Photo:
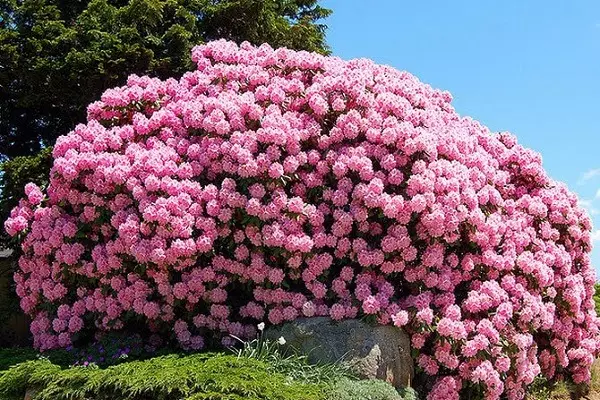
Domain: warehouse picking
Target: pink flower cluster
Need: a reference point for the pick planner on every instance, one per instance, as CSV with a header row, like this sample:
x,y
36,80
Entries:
x,y
273,184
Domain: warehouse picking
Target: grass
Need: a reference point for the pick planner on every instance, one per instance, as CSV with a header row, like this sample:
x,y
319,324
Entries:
x,y
295,366
538,391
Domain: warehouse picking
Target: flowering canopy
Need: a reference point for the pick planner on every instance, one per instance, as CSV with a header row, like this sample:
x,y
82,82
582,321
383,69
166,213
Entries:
x,y
273,184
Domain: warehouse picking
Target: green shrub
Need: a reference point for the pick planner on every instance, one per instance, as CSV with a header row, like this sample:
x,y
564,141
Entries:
x,y
206,376
174,377
597,297
16,355
260,370
347,389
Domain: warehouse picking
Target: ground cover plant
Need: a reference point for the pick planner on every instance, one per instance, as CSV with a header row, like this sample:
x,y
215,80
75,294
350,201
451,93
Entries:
x,y
273,184
199,376
257,371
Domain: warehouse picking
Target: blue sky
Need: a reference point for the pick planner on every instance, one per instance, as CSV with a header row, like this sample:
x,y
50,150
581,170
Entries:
x,y
530,67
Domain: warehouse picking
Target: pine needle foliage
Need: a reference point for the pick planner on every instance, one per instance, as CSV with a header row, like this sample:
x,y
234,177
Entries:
x,y
174,377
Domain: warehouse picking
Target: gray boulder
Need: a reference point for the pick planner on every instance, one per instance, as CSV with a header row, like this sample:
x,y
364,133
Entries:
x,y
371,352
30,394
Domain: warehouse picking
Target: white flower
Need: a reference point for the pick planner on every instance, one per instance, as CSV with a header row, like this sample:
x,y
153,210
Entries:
x,y
261,326
281,340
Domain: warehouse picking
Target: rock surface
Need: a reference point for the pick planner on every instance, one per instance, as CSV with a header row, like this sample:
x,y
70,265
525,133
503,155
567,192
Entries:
x,y
372,352
30,394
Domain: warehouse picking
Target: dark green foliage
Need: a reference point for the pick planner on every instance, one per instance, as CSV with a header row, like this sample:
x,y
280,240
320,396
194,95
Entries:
x,y
14,325
347,389
16,355
597,297
197,376
111,349
281,23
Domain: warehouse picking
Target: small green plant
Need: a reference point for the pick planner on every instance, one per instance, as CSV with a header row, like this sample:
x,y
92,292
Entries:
x,y
347,389
16,355
597,297
540,389
293,365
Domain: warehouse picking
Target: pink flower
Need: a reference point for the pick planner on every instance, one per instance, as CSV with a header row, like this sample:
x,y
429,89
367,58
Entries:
x,y
33,193
75,324
425,315
337,311
453,329
273,184
151,310
371,305
308,309
445,388
275,170
400,318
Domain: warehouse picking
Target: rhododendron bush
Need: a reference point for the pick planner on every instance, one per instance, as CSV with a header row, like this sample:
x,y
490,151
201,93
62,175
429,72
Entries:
x,y
273,184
